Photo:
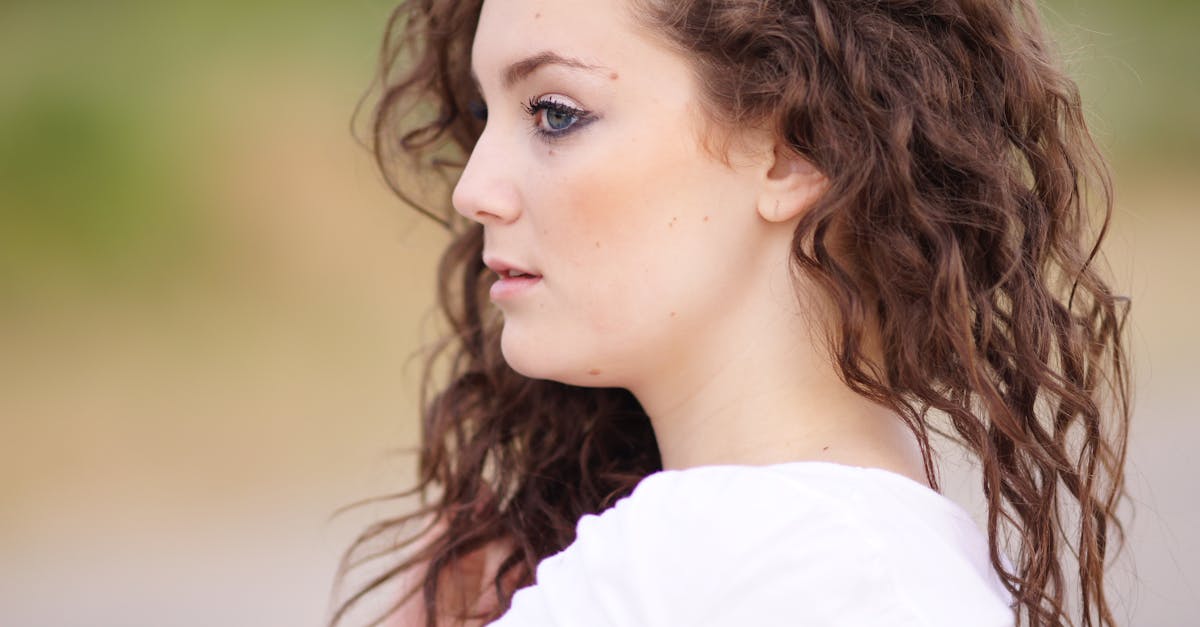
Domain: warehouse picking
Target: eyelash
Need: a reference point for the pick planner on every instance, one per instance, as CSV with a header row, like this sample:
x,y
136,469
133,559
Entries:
x,y
534,106
478,109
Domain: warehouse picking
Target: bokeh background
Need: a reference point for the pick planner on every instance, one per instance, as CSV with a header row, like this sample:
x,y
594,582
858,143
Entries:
x,y
208,303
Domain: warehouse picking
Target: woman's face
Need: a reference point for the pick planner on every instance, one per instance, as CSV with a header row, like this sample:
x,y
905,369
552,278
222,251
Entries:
x,y
591,173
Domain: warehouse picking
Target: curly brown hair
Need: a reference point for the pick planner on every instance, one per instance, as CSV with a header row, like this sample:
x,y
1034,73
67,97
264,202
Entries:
x,y
958,222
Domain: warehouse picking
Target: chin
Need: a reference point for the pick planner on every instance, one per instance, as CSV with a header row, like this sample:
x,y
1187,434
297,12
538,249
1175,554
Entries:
x,y
540,358
526,354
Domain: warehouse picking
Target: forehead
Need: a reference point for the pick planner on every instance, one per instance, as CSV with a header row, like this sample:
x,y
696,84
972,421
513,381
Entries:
x,y
638,69
593,32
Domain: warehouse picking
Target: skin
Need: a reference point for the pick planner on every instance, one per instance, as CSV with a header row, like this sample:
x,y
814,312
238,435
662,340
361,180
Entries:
x,y
665,266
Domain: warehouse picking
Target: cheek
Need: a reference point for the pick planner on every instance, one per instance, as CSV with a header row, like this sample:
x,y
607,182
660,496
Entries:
x,y
611,222
634,228
623,188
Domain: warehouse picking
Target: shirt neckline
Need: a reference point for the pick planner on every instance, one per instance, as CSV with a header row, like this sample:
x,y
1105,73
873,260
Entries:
x,y
942,500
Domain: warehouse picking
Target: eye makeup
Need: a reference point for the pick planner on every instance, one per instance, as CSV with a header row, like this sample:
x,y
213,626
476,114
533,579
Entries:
x,y
552,120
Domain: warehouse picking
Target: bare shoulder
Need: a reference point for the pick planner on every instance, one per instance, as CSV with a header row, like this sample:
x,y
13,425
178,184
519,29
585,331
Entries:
x,y
464,589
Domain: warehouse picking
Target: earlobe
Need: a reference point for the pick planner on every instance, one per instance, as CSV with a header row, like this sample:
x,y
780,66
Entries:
x,y
791,186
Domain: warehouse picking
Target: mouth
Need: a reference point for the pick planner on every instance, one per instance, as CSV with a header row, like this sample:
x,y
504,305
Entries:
x,y
512,284
518,274
508,270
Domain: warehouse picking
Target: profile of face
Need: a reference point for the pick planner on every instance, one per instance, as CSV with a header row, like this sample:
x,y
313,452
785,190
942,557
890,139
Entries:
x,y
592,173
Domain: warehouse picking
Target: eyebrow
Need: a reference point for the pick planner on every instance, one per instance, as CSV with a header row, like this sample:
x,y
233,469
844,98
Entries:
x,y
519,70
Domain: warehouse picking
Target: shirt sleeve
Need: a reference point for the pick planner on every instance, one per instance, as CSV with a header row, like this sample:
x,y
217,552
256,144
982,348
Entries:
x,y
722,547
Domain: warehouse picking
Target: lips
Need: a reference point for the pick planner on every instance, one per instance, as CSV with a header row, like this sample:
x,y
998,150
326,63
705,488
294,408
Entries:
x,y
507,269
514,280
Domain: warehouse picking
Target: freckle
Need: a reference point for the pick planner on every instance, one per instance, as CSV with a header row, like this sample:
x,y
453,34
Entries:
x,y
594,371
537,16
551,152
597,244
826,448
614,76
673,314
706,218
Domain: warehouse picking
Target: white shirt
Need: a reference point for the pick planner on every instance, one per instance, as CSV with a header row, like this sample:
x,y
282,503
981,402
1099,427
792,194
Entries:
x,y
809,544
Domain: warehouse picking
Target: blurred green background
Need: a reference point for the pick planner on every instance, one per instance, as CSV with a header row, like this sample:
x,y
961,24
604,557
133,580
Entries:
x,y
208,302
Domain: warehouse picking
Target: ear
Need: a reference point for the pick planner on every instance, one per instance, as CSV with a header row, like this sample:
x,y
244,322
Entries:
x,y
791,185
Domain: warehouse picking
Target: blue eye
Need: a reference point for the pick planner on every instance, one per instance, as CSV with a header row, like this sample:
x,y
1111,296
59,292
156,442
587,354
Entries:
x,y
559,120
478,109
553,119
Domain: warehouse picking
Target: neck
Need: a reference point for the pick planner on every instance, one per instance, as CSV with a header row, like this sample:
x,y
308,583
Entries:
x,y
744,394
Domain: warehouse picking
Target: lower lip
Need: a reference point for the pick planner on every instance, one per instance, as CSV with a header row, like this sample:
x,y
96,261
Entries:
x,y
513,286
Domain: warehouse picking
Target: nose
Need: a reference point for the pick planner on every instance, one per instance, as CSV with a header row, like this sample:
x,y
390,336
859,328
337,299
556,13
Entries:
x,y
486,192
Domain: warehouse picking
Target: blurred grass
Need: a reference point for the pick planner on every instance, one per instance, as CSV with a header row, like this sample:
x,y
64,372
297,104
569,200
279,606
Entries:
x,y
108,115
1138,65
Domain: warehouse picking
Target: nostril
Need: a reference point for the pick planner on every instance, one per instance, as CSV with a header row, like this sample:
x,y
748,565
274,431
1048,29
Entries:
x,y
488,207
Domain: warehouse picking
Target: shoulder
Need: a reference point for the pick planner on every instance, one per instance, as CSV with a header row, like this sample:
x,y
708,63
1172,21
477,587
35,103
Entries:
x,y
464,589
734,545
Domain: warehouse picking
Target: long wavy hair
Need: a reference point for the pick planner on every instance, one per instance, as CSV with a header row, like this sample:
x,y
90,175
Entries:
x,y
965,210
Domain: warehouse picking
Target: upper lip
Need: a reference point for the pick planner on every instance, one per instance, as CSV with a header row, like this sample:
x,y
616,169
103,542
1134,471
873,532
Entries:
x,y
502,266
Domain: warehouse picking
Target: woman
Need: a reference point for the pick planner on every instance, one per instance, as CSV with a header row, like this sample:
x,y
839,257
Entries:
x,y
718,269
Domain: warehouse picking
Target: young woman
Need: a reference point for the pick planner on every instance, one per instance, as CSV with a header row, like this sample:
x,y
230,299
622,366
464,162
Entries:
x,y
718,268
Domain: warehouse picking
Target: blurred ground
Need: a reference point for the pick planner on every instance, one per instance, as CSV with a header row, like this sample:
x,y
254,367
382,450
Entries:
x,y
208,302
